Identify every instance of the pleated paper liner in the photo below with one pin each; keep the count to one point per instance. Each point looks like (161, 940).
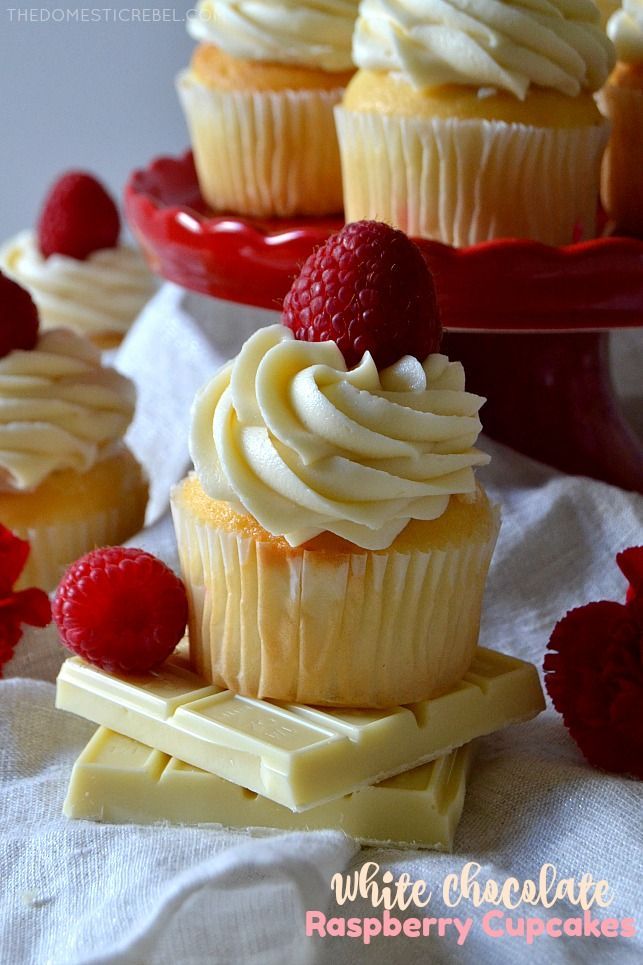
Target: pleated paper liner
(264, 152)
(467, 181)
(359, 629)
(71, 513)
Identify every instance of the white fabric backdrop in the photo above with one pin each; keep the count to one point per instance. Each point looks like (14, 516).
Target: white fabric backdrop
(75, 892)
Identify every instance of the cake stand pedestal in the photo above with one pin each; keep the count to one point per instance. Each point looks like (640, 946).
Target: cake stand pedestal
(529, 322)
(551, 397)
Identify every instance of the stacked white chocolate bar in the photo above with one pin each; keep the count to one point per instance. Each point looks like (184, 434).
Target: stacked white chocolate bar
(172, 747)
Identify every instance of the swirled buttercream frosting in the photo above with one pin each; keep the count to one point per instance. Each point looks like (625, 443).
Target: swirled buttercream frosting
(625, 27)
(100, 295)
(59, 409)
(555, 44)
(313, 33)
(286, 433)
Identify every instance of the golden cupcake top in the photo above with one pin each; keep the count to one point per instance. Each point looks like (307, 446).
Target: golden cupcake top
(625, 28)
(313, 33)
(489, 44)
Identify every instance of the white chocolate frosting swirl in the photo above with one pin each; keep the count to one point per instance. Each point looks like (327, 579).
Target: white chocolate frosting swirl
(312, 33)
(555, 44)
(284, 432)
(59, 409)
(100, 295)
(625, 28)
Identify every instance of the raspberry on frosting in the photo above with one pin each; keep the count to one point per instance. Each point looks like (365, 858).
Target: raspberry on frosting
(29, 606)
(18, 317)
(78, 217)
(368, 288)
(121, 609)
(594, 674)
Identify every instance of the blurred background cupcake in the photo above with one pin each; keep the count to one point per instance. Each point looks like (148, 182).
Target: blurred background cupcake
(622, 101)
(67, 481)
(258, 99)
(78, 272)
(606, 8)
(465, 124)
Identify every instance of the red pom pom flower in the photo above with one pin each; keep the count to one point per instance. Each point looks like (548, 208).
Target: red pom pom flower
(594, 674)
(17, 607)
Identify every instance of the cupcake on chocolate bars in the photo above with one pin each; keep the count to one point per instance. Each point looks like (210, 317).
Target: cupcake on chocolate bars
(333, 539)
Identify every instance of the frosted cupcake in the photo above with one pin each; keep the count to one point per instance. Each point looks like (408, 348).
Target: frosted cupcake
(333, 539)
(622, 101)
(469, 124)
(67, 481)
(258, 99)
(73, 265)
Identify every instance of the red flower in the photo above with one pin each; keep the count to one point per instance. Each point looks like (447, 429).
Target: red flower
(631, 564)
(594, 674)
(24, 606)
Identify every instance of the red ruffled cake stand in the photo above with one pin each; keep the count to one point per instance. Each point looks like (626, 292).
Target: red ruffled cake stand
(529, 322)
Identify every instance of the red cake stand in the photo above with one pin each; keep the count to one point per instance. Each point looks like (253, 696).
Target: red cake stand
(529, 322)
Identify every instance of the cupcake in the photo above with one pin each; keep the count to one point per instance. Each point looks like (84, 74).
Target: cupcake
(333, 539)
(466, 125)
(605, 9)
(258, 99)
(74, 267)
(67, 481)
(622, 101)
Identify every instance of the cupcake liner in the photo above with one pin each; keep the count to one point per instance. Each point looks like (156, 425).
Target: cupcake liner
(264, 152)
(366, 629)
(467, 181)
(55, 546)
(622, 172)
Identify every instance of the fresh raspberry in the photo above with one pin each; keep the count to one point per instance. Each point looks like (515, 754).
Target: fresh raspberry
(368, 288)
(18, 317)
(121, 609)
(77, 218)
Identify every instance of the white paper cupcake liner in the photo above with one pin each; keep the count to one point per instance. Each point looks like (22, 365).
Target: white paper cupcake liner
(467, 181)
(265, 152)
(55, 546)
(356, 629)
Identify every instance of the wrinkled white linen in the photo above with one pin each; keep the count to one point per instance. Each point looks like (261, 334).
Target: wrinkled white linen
(76, 892)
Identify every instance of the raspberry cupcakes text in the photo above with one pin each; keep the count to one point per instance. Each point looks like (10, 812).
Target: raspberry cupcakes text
(507, 916)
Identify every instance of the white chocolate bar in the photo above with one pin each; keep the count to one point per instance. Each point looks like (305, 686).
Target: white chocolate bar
(120, 780)
(296, 755)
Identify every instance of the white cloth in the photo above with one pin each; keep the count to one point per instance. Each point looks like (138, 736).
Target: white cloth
(76, 892)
